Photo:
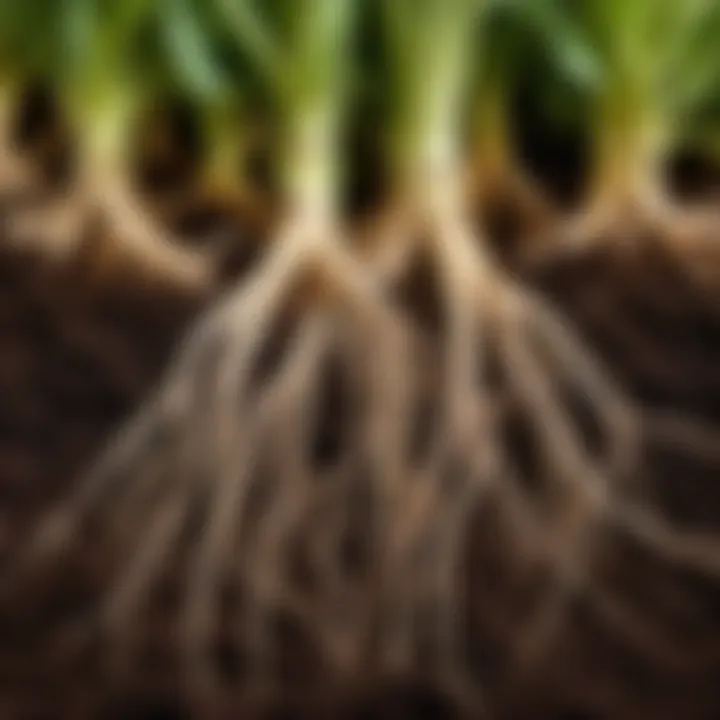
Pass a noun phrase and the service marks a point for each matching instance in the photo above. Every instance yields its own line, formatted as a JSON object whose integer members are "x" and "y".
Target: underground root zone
{"x": 366, "y": 464}
{"x": 79, "y": 358}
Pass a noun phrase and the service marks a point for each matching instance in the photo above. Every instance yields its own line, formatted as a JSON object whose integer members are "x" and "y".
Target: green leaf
{"x": 695, "y": 72}
{"x": 251, "y": 35}
{"x": 78, "y": 23}
{"x": 191, "y": 54}
{"x": 564, "y": 40}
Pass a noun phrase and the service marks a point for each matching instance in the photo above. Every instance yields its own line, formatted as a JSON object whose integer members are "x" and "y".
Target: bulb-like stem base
{"x": 310, "y": 172}
{"x": 226, "y": 144}
{"x": 629, "y": 162}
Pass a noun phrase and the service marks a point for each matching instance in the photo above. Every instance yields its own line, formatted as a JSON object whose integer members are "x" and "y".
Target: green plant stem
{"x": 424, "y": 130}
{"x": 310, "y": 167}
{"x": 225, "y": 147}
{"x": 10, "y": 93}
{"x": 425, "y": 124}
{"x": 312, "y": 101}
{"x": 105, "y": 125}
{"x": 630, "y": 150}
{"x": 493, "y": 145}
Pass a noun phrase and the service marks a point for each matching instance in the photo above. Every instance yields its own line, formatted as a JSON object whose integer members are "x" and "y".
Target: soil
{"x": 656, "y": 323}
{"x": 78, "y": 352}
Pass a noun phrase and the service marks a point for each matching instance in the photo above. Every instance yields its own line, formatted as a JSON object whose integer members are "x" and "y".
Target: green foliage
{"x": 660, "y": 55}
{"x": 193, "y": 53}
{"x": 298, "y": 47}
{"x": 28, "y": 33}
{"x": 98, "y": 39}
{"x": 427, "y": 59}
{"x": 657, "y": 57}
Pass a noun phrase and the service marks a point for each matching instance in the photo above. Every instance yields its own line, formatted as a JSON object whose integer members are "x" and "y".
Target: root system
{"x": 287, "y": 462}
{"x": 406, "y": 471}
{"x": 343, "y": 484}
{"x": 114, "y": 211}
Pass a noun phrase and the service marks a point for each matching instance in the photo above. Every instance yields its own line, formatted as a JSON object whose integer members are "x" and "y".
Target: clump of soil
{"x": 653, "y": 314}
{"x": 79, "y": 351}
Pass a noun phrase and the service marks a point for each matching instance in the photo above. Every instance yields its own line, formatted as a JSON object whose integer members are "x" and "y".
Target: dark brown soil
{"x": 656, "y": 322}
{"x": 77, "y": 354}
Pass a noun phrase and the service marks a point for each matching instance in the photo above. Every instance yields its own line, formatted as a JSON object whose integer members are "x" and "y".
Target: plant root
{"x": 231, "y": 228}
{"x": 16, "y": 174}
{"x": 577, "y": 472}
{"x": 585, "y": 434}
{"x": 679, "y": 231}
{"x": 21, "y": 184}
{"x": 63, "y": 226}
{"x": 275, "y": 445}
{"x": 641, "y": 639}
{"x": 344, "y": 471}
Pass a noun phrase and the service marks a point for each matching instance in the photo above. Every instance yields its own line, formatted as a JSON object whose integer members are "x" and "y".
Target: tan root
{"x": 109, "y": 206}
{"x": 586, "y": 438}
{"x": 284, "y": 462}
{"x": 16, "y": 172}
{"x": 275, "y": 458}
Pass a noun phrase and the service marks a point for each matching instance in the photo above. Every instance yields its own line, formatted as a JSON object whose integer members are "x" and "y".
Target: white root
{"x": 537, "y": 352}
{"x": 56, "y": 227}
{"x": 211, "y": 383}
{"x": 619, "y": 221}
{"x": 274, "y": 535}
{"x": 135, "y": 232}
{"x": 582, "y": 490}
{"x": 237, "y": 457}
{"x": 238, "y": 429}
{"x": 56, "y": 533}
{"x": 110, "y": 207}
{"x": 17, "y": 175}
{"x": 277, "y": 399}
{"x": 136, "y": 581}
